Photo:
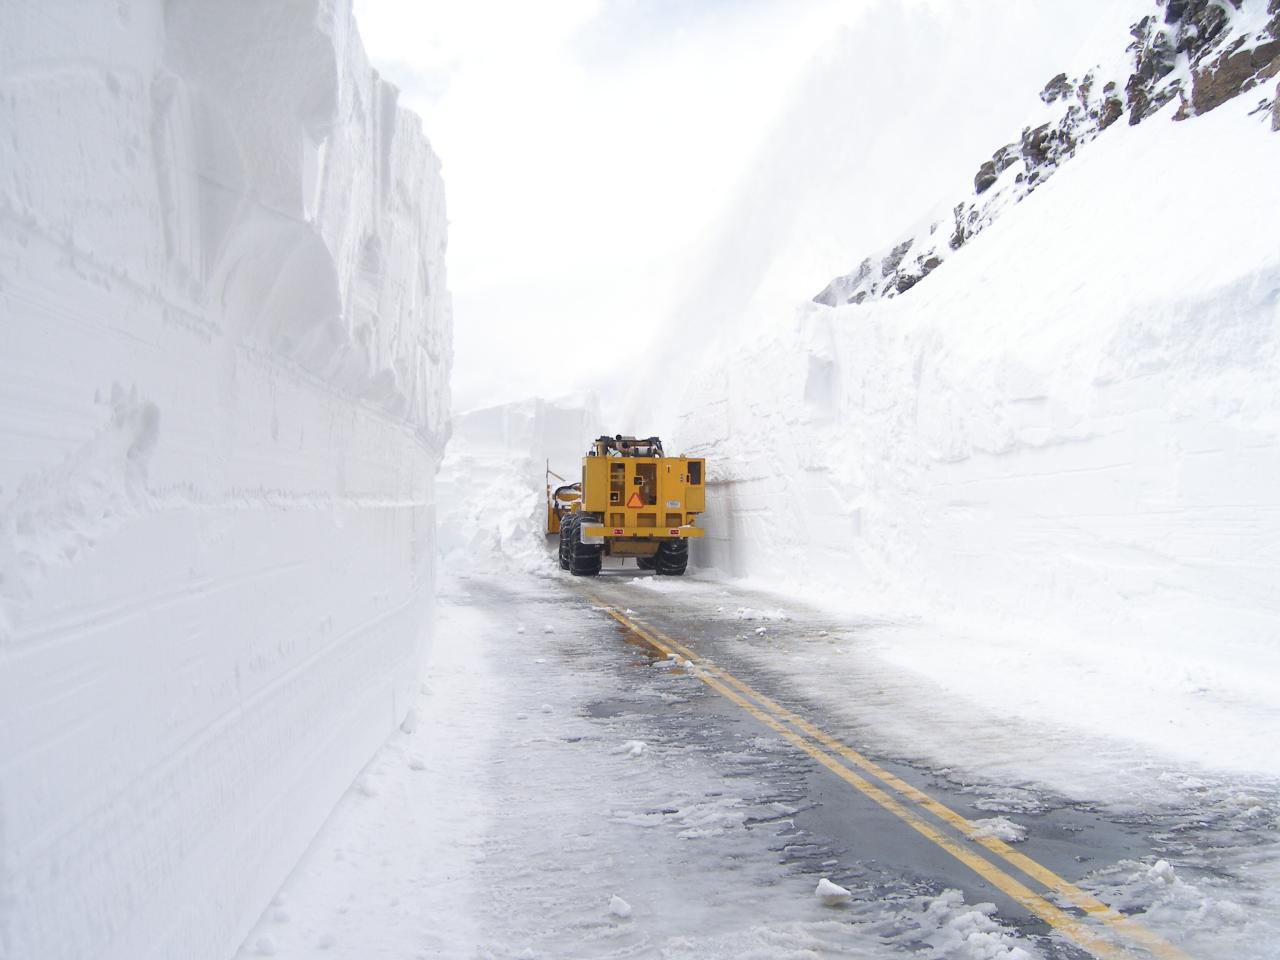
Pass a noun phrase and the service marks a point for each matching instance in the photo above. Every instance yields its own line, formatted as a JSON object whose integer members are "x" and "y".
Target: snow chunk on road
{"x": 619, "y": 907}
{"x": 970, "y": 933}
{"x": 831, "y": 894}
{"x": 633, "y": 748}
{"x": 1001, "y": 828}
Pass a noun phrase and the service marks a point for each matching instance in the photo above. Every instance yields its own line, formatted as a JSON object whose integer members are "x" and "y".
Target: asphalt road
{"x": 885, "y": 827}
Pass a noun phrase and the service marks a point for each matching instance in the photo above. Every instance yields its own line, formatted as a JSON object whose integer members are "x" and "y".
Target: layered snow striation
{"x": 223, "y": 399}
{"x": 1069, "y": 437}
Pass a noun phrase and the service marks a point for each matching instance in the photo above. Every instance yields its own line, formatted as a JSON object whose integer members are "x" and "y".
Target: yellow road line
{"x": 1090, "y": 904}
{"x": 812, "y": 740}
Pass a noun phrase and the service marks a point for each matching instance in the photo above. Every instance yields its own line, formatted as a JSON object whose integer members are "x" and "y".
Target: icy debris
{"x": 540, "y": 660}
{"x": 619, "y": 907}
{"x": 1008, "y": 800}
{"x": 749, "y": 613}
{"x": 365, "y": 786}
{"x": 761, "y": 631}
{"x": 831, "y": 894}
{"x": 410, "y": 722}
{"x": 629, "y": 612}
{"x": 416, "y": 762}
{"x": 633, "y": 748}
{"x": 519, "y": 628}
{"x": 522, "y": 716}
{"x": 970, "y": 933}
{"x": 548, "y": 628}
{"x": 546, "y": 708}
{"x": 1162, "y": 872}
{"x": 1001, "y": 828}
{"x": 265, "y": 946}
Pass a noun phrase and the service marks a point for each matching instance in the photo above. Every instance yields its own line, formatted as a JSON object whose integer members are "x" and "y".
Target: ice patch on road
{"x": 1000, "y": 828}
{"x": 749, "y": 613}
{"x": 693, "y": 819}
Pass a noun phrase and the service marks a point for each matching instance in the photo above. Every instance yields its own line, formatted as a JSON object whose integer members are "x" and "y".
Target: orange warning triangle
{"x": 635, "y": 500}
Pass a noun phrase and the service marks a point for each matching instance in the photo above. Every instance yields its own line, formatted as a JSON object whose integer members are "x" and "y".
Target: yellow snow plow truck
{"x": 632, "y": 501}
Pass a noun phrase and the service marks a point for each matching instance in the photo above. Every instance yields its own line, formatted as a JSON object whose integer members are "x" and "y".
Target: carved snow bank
{"x": 226, "y": 346}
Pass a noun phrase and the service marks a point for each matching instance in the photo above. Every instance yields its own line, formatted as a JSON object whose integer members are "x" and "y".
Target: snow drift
{"x": 1067, "y": 436}
{"x": 224, "y": 364}
{"x": 492, "y": 485}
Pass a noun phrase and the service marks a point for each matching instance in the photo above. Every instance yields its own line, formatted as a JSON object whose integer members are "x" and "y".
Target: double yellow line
{"x": 1098, "y": 928}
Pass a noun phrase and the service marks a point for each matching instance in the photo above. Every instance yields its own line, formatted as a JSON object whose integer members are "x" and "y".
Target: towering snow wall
{"x": 1070, "y": 434}
{"x": 224, "y": 354}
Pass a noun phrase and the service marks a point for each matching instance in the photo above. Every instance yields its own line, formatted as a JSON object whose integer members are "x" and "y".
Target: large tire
{"x": 645, "y": 563}
{"x": 566, "y": 531}
{"x": 585, "y": 559}
{"x": 672, "y": 558}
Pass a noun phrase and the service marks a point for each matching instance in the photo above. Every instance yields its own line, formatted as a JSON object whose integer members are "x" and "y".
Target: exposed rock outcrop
{"x": 1200, "y": 53}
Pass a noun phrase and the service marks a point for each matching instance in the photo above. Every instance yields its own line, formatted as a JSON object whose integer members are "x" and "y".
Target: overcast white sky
{"x": 586, "y": 146}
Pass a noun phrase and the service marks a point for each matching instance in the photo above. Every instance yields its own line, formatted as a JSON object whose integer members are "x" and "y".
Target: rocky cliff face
{"x": 1200, "y": 53}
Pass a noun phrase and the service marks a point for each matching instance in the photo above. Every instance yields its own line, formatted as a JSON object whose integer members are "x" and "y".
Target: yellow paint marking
{"x": 1091, "y": 905}
{"x": 812, "y": 741}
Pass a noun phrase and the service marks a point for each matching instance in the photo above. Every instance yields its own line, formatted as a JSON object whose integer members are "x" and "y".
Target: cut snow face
{"x": 492, "y": 487}
{"x": 225, "y": 362}
{"x": 1053, "y": 462}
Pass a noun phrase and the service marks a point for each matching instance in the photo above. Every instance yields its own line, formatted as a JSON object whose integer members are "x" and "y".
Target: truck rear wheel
{"x": 645, "y": 563}
{"x": 567, "y": 527}
{"x": 672, "y": 558}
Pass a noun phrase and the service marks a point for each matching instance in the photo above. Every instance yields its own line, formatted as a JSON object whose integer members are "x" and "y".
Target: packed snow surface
{"x": 223, "y": 398}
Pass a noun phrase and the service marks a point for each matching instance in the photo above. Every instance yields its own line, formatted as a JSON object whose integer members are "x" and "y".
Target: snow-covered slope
{"x": 224, "y": 354}
{"x": 1199, "y": 53}
{"x": 1069, "y": 437}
